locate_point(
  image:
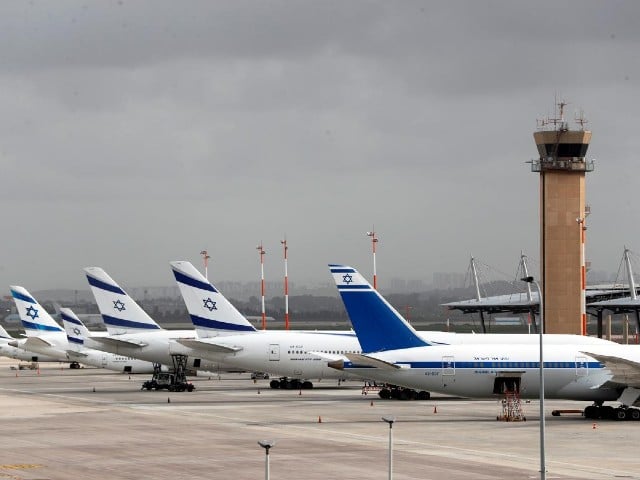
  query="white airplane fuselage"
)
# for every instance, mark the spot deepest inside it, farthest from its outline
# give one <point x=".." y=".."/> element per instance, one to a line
<point x="478" y="371"/>
<point x="155" y="346"/>
<point x="289" y="353"/>
<point x="284" y="353"/>
<point x="18" y="353"/>
<point x="52" y="344"/>
<point x="110" y="361"/>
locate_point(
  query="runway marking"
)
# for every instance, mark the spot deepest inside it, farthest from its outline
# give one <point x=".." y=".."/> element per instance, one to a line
<point x="20" y="466"/>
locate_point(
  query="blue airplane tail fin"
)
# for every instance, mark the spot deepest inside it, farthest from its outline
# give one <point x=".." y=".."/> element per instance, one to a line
<point x="377" y="324"/>
<point x="35" y="319"/>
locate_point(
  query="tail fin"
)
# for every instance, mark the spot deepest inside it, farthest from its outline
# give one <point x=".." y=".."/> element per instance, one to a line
<point x="377" y="324"/>
<point x="76" y="331"/>
<point x="35" y="319"/>
<point x="211" y="313"/>
<point x="4" y="335"/>
<point x="119" y="312"/>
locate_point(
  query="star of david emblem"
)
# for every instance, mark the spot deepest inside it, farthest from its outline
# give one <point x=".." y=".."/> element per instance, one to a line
<point x="118" y="305"/>
<point x="209" y="304"/>
<point x="347" y="278"/>
<point x="76" y="330"/>
<point x="32" y="312"/>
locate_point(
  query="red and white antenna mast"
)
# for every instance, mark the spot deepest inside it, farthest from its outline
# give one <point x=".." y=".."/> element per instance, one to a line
<point x="374" y="240"/>
<point x="205" y="257"/>
<point x="286" y="284"/>
<point x="582" y="223"/>
<point x="262" y="252"/>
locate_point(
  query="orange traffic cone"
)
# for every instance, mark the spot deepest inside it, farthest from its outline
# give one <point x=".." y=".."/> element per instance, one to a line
<point x="319" y="419"/>
<point x="435" y="409"/>
<point x="300" y="392"/>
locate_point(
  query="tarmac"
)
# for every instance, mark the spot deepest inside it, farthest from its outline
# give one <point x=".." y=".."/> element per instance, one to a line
<point x="88" y="424"/>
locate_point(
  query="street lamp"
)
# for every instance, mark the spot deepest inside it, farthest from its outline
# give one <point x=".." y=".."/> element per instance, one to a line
<point x="266" y="444"/>
<point x="543" y="473"/>
<point x="374" y="240"/>
<point x="390" y="420"/>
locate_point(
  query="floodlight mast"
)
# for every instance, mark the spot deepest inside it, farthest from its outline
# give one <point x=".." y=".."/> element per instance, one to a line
<point x="205" y="257"/>
<point x="262" y="252"/>
<point x="286" y="284"/>
<point x="374" y="240"/>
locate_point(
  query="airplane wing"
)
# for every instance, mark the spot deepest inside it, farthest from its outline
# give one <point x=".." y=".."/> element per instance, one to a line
<point x="74" y="353"/>
<point x="625" y="372"/>
<point x="118" y="342"/>
<point x="207" y="346"/>
<point x="333" y="360"/>
<point x="365" y="360"/>
<point x="36" y="342"/>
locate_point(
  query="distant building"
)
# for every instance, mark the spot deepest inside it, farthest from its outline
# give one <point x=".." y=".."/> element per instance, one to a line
<point x="447" y="280"/>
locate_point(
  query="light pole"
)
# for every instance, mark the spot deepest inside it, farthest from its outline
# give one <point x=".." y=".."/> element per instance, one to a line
<point x="262" y="252"/>
<point x="390" y="420"/>
<point x="543" y="472"/>
<point x="205" y="257"/>
<point x="286" y="285"/>
<point x="374" y="240"/>
<point x="266" y="444"/>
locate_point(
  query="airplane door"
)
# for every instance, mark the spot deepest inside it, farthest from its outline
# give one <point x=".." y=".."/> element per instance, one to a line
<point x="582" y="367"/>
<point x="448" y="365"/>
<point x="104" y="361"/>
<point x="274" y="352"/>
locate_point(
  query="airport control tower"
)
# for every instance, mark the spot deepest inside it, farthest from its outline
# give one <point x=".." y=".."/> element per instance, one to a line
<point x="562" y="167"/>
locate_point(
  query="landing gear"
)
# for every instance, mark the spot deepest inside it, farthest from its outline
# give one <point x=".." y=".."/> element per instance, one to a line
<point x="174" y="382"/>
<point x="607" y="412"/>
<point x="290" y="384"/>
<point x="74" y="365"/>
<point x="400" y="393"/>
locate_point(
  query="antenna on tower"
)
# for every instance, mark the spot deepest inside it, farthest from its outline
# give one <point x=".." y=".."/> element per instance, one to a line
<point x="581" y="120"/>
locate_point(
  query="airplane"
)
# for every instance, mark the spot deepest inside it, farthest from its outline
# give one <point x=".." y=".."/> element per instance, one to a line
<point x="224" y="333"/>
<point x="394" y="353"/>
<point x="77" y="332"/>
<point x="17" y="353"/>
<point x="133" y="333"/>
<point x="44" y="335"/>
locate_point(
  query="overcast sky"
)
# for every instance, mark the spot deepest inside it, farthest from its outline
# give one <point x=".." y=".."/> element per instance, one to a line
<point x="133" y="133"/>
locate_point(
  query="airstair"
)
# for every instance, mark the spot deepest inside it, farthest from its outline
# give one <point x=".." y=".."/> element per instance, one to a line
<point x="511" y="408"/>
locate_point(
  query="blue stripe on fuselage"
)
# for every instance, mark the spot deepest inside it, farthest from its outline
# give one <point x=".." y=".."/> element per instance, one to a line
<point x="516" y="366"/>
